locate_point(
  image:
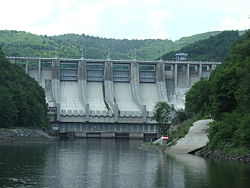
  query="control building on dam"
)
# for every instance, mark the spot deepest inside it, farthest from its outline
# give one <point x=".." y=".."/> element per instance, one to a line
<point x="111" y="98"/>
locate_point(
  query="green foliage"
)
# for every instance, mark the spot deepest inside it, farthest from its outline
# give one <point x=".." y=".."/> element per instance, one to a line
<point x="197" y="98"/>
<point x="230" y="81"/>
<point x="162" y="114"/>
<point x="195" y="38"/>
<point x="22" y="100"/>
<point x="215" y="48"/>
<point x="181" y="116"/>
<point x="19" y="43"/>
<point x="224" y="82"/>
<point x="228" y="91"/>
<point x="232" y="132"/>
<point x="8" y="109"/>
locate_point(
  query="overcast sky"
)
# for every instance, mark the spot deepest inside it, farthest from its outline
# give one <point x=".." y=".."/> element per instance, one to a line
<point x="130" y="19"/>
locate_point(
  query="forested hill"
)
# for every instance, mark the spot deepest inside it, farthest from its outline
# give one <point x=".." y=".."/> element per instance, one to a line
<point x="22" y="100"/>
<point x="18" y="43"/>
<point x="225" y="97"/>
<point x="215" y="48"/>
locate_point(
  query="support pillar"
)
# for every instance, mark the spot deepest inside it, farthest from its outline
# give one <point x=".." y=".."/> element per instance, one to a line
<point x="135" y="87"/>
<point x="87" y="112"/>
<point x="213" y="67"/>
<point x="188" y="75"/>
<point x="161" y="81"/>
<point x="160" y="70"/>
<point x="81" y="70"/>
<point x="26" y="68"/>
<point x="55" y="69"/>
<point x="39" y="71"/>
<point x="175" y="75"/>
<point x="108" y="73"/>
<point x="109" y="89"/>
<point x="56" y="85"/>
<point x="200" y="70"/>
<point x="144" y="112"/>
<point x="58" y="111"/>
<point x="82" y="84"/>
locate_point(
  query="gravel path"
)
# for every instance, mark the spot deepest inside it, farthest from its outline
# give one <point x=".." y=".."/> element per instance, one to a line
<point x="196" y="138"/>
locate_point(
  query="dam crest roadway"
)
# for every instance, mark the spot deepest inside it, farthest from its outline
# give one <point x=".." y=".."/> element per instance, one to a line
<point x="111" y="98"/>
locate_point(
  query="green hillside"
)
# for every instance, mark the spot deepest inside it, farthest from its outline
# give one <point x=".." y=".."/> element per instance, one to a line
<point x="22" y="100"/>
<point x="19" y="43"/>
<point x="225" y="97"/>
<point x="194" y="38"/>
<point x="215" y="48"/>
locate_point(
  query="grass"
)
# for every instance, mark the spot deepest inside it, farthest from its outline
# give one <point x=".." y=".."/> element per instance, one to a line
<point x="182" y="129"/>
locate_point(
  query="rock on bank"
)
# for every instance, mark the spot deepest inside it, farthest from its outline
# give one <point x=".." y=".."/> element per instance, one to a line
<point x="23" y="133"/>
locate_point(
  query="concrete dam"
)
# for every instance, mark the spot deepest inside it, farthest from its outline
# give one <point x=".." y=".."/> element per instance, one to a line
<point x="111" y="98"/>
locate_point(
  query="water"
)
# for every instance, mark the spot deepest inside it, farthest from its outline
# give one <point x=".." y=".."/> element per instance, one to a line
<point x="111" y="163"/>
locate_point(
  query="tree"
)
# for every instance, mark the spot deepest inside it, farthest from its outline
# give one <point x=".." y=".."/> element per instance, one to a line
<point x="22" y="100"/>
<point x="224" y="82"/>
<point x="162" y="113"/>
<point x="197" y="98"/>
<point x="230" y="99"/>
<point x="8" y="110"/>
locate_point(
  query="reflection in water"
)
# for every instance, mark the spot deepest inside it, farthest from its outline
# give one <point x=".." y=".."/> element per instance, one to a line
<point x="19" y="161"/>
<point x="100" y="163"/>
<point x="229" y="173"/>
<point x="188" y="171"/>
<point x="111" y="163"/>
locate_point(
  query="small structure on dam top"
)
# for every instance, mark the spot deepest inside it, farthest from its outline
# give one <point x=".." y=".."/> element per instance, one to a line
<point x="181" y="57"/>
<point x="109" y="98"/>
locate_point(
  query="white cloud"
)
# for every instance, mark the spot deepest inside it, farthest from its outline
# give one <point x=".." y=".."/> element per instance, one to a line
<point x="80" y="17"/>
<point x="232" y="23"/>
<point x="124" y="18"/>
<point x="23" y="14"/>
<point x="158" y="21"/>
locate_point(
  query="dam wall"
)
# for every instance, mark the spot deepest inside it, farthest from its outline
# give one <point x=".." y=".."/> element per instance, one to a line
<point x="111" y="95"/>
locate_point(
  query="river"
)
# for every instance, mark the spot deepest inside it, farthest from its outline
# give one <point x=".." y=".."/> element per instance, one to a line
<point x="111" y="163"/>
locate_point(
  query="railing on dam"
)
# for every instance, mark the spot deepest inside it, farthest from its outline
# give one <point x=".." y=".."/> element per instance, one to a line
<point x="109" y="91"/>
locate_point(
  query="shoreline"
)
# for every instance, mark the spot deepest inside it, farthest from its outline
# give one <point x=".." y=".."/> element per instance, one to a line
<point x="218" y="154"/>
<point x="203" y="152"/>
<point x="25" y="134"/>
<point x="149" y="146"/>
<point x="22" y="134"/>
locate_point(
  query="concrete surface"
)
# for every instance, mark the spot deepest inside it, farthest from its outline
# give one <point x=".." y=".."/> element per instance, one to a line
<point x="197" y="137"/>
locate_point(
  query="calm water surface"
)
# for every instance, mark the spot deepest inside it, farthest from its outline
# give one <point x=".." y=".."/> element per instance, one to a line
<point x="111" y="163"/>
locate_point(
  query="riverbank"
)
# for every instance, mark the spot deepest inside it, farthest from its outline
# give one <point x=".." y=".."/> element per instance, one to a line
<point x="205" y="153"/>
<point x="150" y="146"/>
<point x="24" y="134"/>
<point x="195" y="143"/>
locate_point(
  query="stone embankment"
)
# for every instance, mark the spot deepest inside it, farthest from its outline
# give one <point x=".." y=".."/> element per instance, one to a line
<point x="23" y="134"/>
<point x="222" y="155"/>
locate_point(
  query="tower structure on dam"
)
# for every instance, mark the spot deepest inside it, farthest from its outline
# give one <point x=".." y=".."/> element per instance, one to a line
<point x="109" y="98"/>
